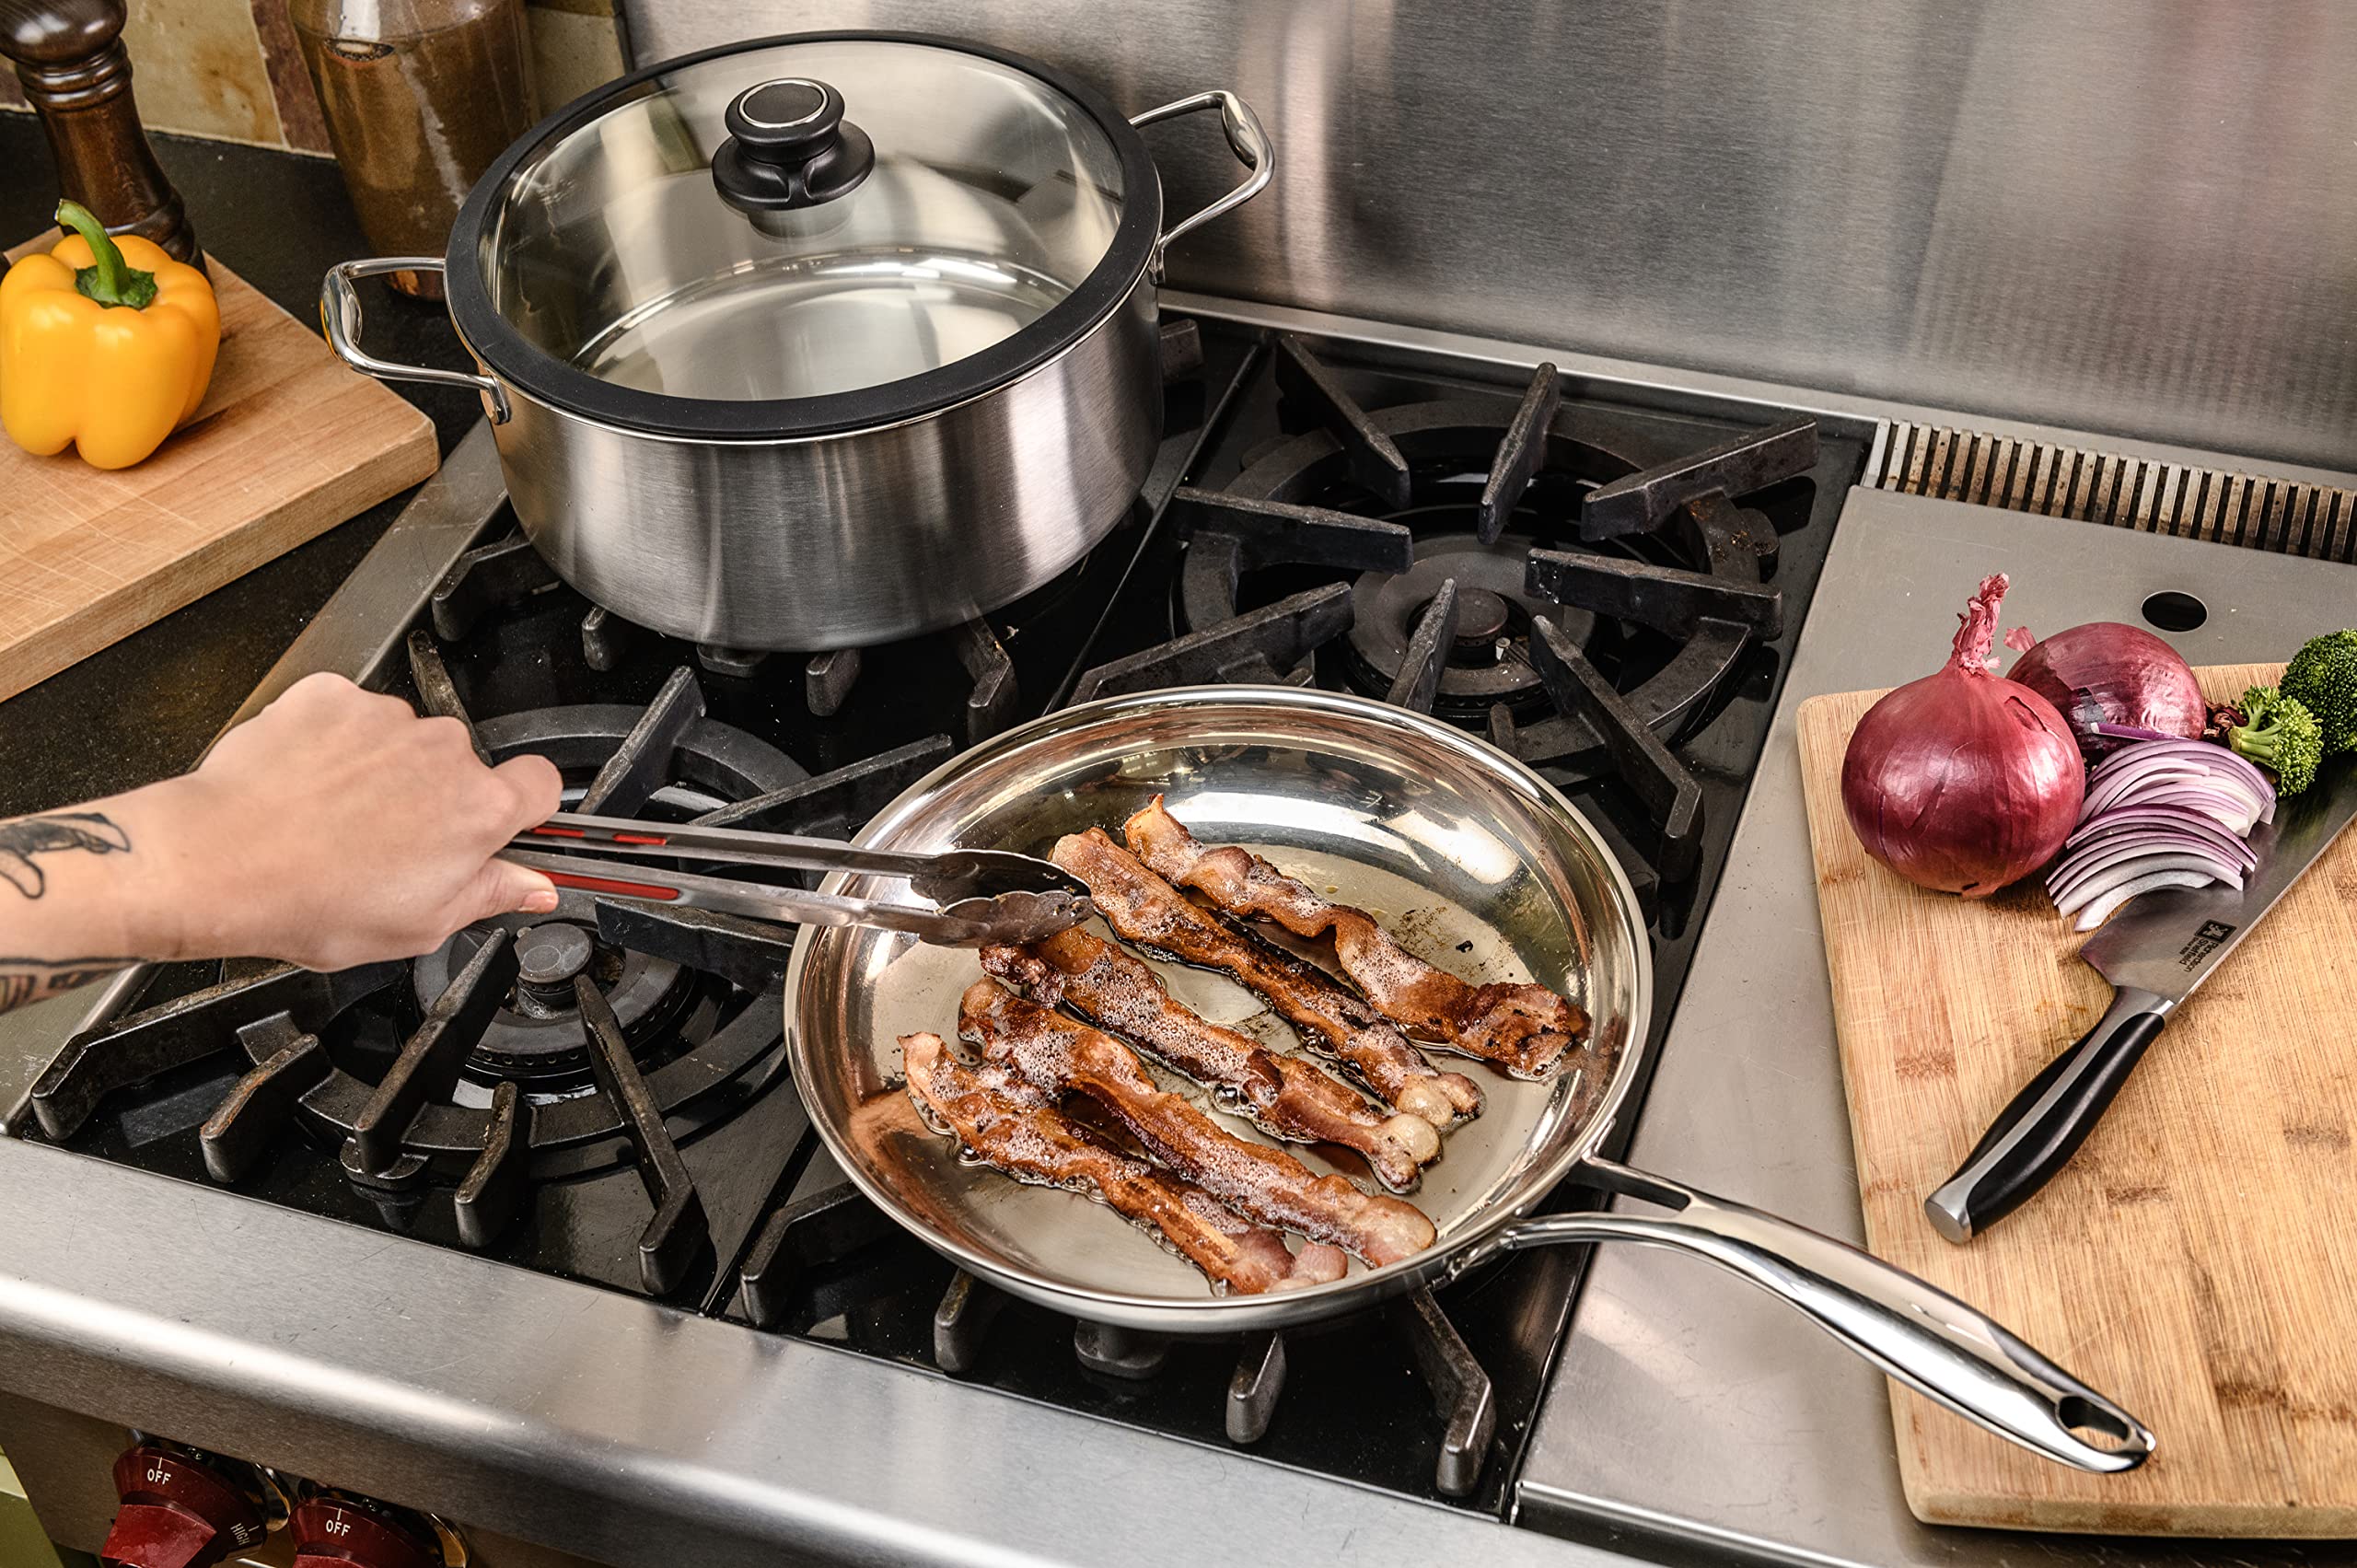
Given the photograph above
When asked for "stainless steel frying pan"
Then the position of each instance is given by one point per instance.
(1465, 854)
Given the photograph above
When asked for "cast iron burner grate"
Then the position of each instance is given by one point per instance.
(525, 1049)
(1522, 579)
(827, 1253)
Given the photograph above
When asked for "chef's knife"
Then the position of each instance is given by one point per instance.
(2155, 952)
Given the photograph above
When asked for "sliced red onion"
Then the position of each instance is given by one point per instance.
(2095, 884)
(2105, 855)
(2107, 792)
(2160, 812)
(2217, 758)
(2095, 913)
(2200, 824)
(2143, 839)
(2232, 810)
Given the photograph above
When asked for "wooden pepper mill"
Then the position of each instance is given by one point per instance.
(70, 56)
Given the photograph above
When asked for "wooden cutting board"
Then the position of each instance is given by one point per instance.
(288, 444)
(2196, 1261)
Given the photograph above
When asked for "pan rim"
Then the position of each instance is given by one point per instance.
(1215, 1314)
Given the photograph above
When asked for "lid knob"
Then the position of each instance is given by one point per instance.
(789, 146)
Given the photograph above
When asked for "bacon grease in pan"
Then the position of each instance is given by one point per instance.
(1283, 1095)
(1040, 1144)
(1525, 1029)
(1148, 910)
(1260, 1183)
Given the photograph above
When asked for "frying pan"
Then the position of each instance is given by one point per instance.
(1465, 854)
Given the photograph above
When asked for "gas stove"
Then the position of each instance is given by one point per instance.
(1605, 582)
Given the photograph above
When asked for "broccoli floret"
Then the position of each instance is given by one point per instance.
(2279, 732)
(2323, 676)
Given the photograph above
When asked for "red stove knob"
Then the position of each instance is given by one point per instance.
(341, 1532)
(177, 1512)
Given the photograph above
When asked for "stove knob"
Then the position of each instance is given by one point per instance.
(177, 1512)
(333, 1531)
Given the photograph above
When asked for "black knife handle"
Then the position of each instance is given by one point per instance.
(2043, 1125)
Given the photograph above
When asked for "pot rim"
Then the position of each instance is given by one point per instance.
(526, 369)
(1087, 334)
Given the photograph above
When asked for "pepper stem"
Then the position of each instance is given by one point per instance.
(110, 281)
(1978, 630)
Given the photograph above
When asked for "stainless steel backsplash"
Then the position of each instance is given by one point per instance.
(2136, 216)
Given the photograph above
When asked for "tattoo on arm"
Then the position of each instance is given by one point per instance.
(30, 836)
(29, 979)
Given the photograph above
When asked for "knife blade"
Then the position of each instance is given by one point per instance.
(2155, 952)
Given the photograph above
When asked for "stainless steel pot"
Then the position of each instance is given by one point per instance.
(1395, 812)
(817, 341)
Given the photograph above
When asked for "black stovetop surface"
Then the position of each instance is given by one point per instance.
(1355, 1405)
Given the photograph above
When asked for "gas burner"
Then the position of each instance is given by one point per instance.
(1588, 637)
(536, 1038)
(1487, 660)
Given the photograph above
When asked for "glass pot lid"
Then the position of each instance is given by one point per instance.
(802, 235)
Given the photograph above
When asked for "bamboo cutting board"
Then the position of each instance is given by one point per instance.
(2196, 1261)
(288, 444)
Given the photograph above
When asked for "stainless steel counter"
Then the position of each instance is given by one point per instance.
(1688, 1407)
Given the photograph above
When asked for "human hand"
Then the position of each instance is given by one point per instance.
(337, 828)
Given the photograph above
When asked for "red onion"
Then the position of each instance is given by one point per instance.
(1960, 781)
(2106, 674)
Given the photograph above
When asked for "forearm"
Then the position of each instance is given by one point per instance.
(254, 854)
(87, 890)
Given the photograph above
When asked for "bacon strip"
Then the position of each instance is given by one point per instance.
(1257, 1181)
(1284, 1094)
(1150, 912)
(1525, 1029)
(1044, 1144)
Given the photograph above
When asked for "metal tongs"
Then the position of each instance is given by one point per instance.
(983, 896)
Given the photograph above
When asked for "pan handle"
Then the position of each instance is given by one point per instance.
(1918, 1333)
(1245, 139)
(340, 315)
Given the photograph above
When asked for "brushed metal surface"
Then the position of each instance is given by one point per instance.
(2131, 216)
(590, 1421)
(1679, 1412)
(851, 539)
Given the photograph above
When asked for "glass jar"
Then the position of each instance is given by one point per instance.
(420, 97)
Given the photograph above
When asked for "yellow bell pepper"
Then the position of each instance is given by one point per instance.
(106, 344)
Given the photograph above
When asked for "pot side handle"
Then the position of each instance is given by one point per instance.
(1244, 138)
(340, 316)
(1915, 1332)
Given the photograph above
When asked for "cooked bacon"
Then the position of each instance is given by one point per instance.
(1526, 1028)
(1150, 912)
(1257, 1181)
(1040, 1142)
(1287, 1097)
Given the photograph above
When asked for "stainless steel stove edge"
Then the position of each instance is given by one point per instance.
(598, 1424)
(1688, 1410)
